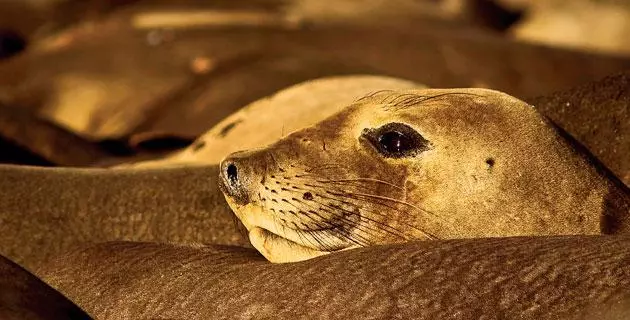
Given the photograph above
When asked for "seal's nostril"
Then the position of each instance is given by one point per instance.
(232, 173)
(11, 43)
(233, 186)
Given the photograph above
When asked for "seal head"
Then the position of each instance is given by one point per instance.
(419, 164)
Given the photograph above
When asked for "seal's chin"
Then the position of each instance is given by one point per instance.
(280, 250)
(262, 235)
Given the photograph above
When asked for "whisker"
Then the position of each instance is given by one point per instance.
(322, 244)
(372, 94)
(353, 195)
(341, 231)
(392, 95)
(424, 99)
(405, 97)
(362, 227)
(275, 162)
(395, 232)
(360, 184)
(296, 227)
(426, 234)
(324, 166)
(361, 180)
(297, 230)
(384, 198)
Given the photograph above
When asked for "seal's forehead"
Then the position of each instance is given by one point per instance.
(431, 109)
(425, 108)
(403, 99)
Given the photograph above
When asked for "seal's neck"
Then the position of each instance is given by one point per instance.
(615, 213)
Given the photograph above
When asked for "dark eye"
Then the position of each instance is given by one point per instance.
(396, 140)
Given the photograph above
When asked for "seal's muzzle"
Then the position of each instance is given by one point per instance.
(232, 183)
(240, 171)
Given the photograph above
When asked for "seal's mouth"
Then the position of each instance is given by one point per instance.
(278, 243)
(283, 231)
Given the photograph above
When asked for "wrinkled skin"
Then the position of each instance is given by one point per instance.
(25, 297)
(533, 278)
(47, 211)
(481, 152)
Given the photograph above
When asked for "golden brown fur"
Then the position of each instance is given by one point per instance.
(490, 166)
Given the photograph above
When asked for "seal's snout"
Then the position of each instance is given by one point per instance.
(233, 185)
(240, 173)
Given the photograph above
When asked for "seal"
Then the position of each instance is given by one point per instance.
(597, 114)
(24, 296)
(46, 211)
(567, 277)
(421, 164)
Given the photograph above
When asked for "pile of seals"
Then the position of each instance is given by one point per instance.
(400, 202)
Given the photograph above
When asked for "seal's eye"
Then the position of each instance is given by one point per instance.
(396, 140)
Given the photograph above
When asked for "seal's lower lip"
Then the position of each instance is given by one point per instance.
(253, 216)
(309, 246)
(280, 250)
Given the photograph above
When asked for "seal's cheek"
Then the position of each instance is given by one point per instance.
(280, 250)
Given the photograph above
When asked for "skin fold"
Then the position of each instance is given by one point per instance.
(597, 114)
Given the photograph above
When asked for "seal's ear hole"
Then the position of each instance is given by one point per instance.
(396, 140)
(490, 162)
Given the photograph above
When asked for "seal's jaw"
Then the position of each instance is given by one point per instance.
(273, 247)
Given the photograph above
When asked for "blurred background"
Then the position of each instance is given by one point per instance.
(98, 82)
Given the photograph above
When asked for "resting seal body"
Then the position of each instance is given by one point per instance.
(44, 211)
(420, 164)
(574, 277)
(24, 296)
